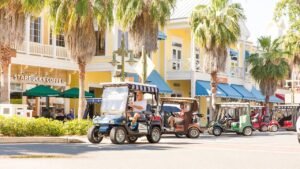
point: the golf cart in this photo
(259, 119)
(115, 121)
(89, 111)
(231, 117)
(189, 124)
(285, 116)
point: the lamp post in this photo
(123, 52)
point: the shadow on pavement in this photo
(76, 149)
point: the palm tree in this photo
(268, 66)
(12, 26)
(142, 18)
(76, 20)
(291, 43)
(216, 27)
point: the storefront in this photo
(26, 77)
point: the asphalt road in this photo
(279, 150)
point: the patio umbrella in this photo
(74, 93)
(41, 91)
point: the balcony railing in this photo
(38, 49)
(184, 65)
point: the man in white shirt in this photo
(138, 106)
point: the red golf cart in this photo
(259, 119)
(284, 116)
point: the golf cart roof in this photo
(234, 104)
(146, 88)
(286, 106)
(177, 99)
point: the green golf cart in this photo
(231, 117)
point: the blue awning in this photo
(261, 98)
(229, 91)
(161, 36)
(155, 79)
(244, 92)
(203, 89)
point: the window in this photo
(60, 39)
(176, 56)
(197, 60)
(35, 29)
(100, 43)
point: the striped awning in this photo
(143, 88)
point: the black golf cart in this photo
(115, 122)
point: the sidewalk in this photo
(34, 139)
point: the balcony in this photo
(181, 69)
(42, 55)
(42, 50)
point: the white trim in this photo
(30, 60)
(99, 67)
(193, 52)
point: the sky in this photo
(259, 15)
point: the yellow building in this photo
(179, 61)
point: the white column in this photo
(244, 60)
(115, 37)
(54, 44)
(165, 57)
(27, 35)
(193, 78)
(192, 53)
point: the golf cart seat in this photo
(235, 124)
(145, 114)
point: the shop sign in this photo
(37, 79)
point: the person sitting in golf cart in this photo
(178, 119)
(138, 106)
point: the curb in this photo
(5, 140)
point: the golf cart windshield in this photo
(114, 100)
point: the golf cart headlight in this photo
(111, 122)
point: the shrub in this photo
(77, 127)
(20, 126)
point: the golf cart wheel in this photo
(118, 135)
(264, 128)
(247, 131)
(178, 135)
(274, 128)
(217, 131)
(131, 139)
(193, 133)
(154, 136)
(94, 136)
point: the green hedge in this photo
(19, 126)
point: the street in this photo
(279, 150)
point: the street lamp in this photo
(123, 52)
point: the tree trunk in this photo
(213, 87)
(267, 113)
(6, 54)
(81, 99)
(5, 83)
(145, 66)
